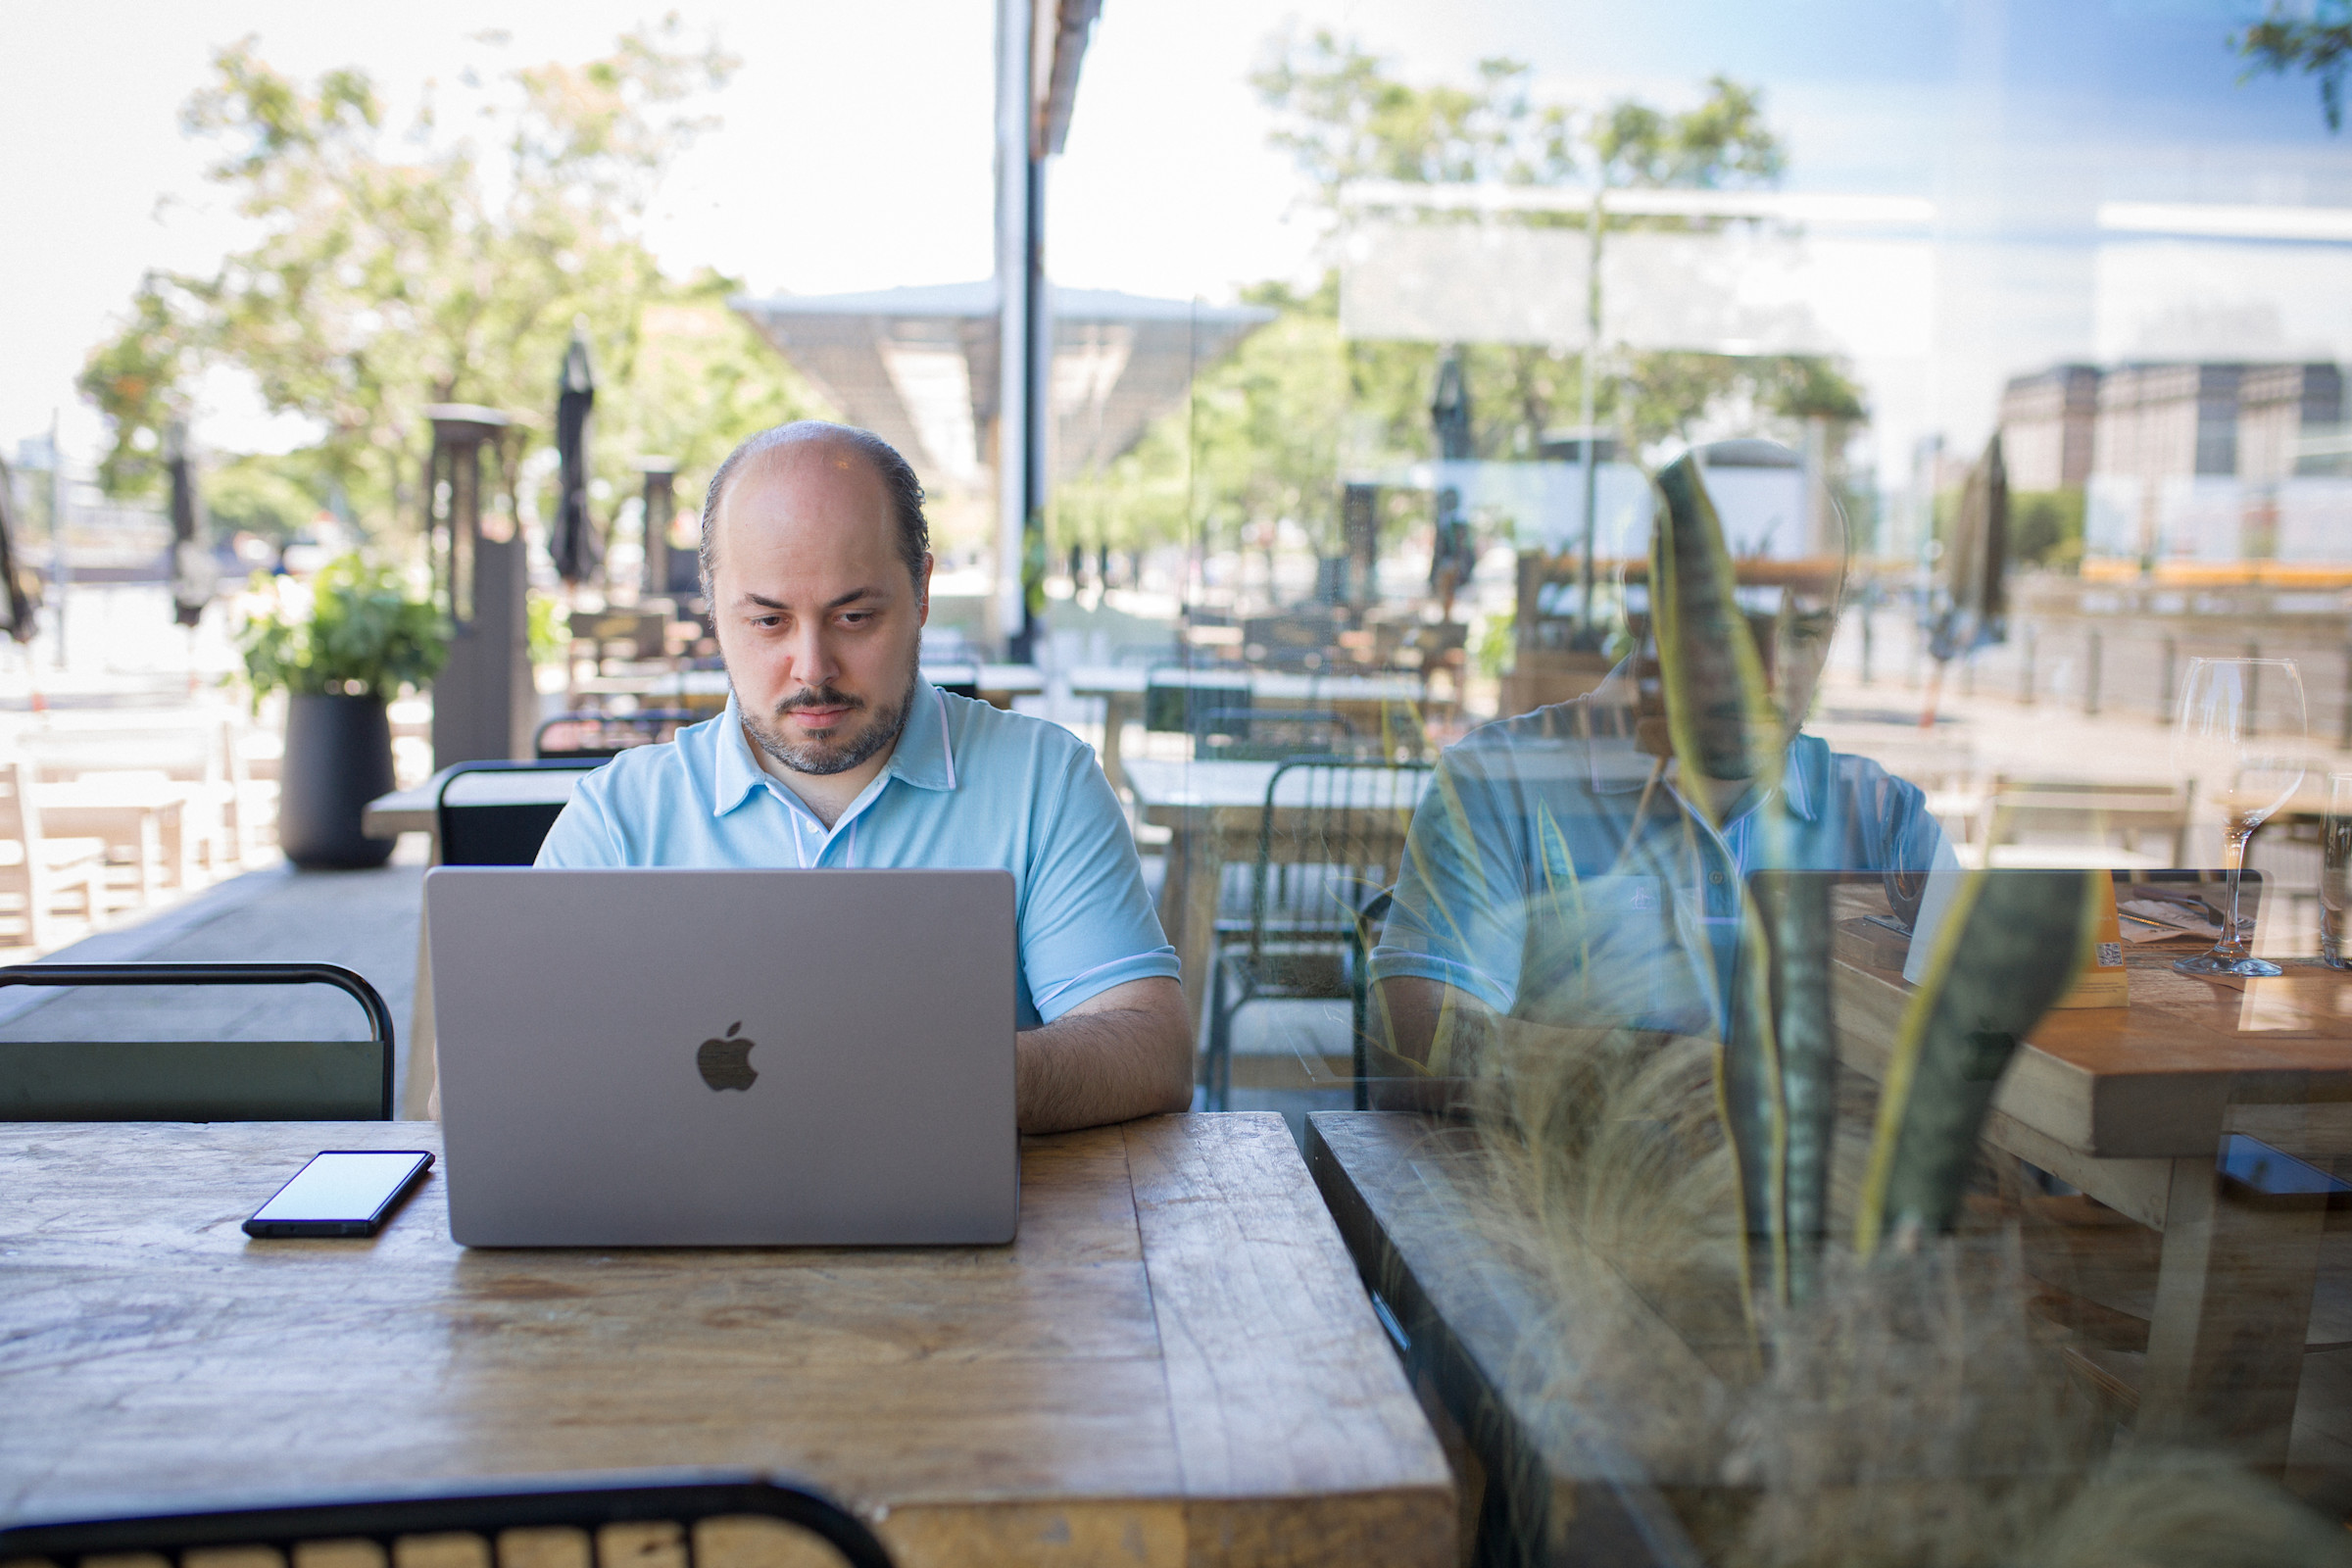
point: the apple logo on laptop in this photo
(726, 1062)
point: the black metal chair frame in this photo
(1239, 972)
(379, 1016)
(449, 775)
(681, 1498)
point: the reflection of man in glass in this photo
(1559, 872)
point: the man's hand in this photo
(1124, 1053)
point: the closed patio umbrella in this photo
(19, 597)
(1972, 608)
(194, 574)
(575, 546)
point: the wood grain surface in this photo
(2156, 1080)
(1169, 1366)
(1564, 1479)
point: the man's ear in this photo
(922, 593)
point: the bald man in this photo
(833, 751)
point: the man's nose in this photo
(812, 654)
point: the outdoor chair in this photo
(693, 1519)
(1330, 841)
(494, 831)
(592, 734)
(202, 1080)
(41, 877)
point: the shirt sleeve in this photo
(586, 837)
(1459, 913)
(1085, 920)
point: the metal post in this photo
(661, 502)
(2253, 689)
(2024, 665)
(1017, 210)
(2091, 675)
(61, 572)
(2164, 690)
(1585, 573)
(2343, 733)
(485, 706)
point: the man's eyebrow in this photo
(849, 598)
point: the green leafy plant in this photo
(357, 631)
(548, 628)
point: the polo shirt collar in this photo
(924, 758)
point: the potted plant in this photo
(340, 650)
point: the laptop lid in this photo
(725, 1057)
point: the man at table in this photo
(1559, 875)
(834, 753)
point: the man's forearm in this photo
(1123, 1055)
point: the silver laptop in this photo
(711, 1058)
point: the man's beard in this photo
(828, 755)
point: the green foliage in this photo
(2315, 40)
(548, 622)
(355, 631)
(399, 266)
(266, 496)
(2045, 527)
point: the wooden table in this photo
(1361, 700)
(1554, 1479)
(2130, 1104)
(145, 816)
(1174, 1364)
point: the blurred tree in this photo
(1344, 118)
(397, 267)
(272, 497)
(2313, 38)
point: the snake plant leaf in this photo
(2007, 950)
(1708, 662)
(1795, 920)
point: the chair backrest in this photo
(501, 832)
(222, 1080)
(1182, 705)
(594, 735)
(1330, 840)
(2088, 809)
(689, 1519)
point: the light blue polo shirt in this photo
(968, 787)
(1546, 878)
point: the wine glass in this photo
(2239, 740)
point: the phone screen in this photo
(339, 1193)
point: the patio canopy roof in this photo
(918, 366)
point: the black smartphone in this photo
(341, 1192)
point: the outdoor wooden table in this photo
(1213, 812)
(2130, 1104)
(145, 815)
(1361, 700)
(1554, 1482)
(1173, 1365)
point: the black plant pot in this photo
(338, 759)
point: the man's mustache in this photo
(818, 697)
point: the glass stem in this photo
(2236, 862)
